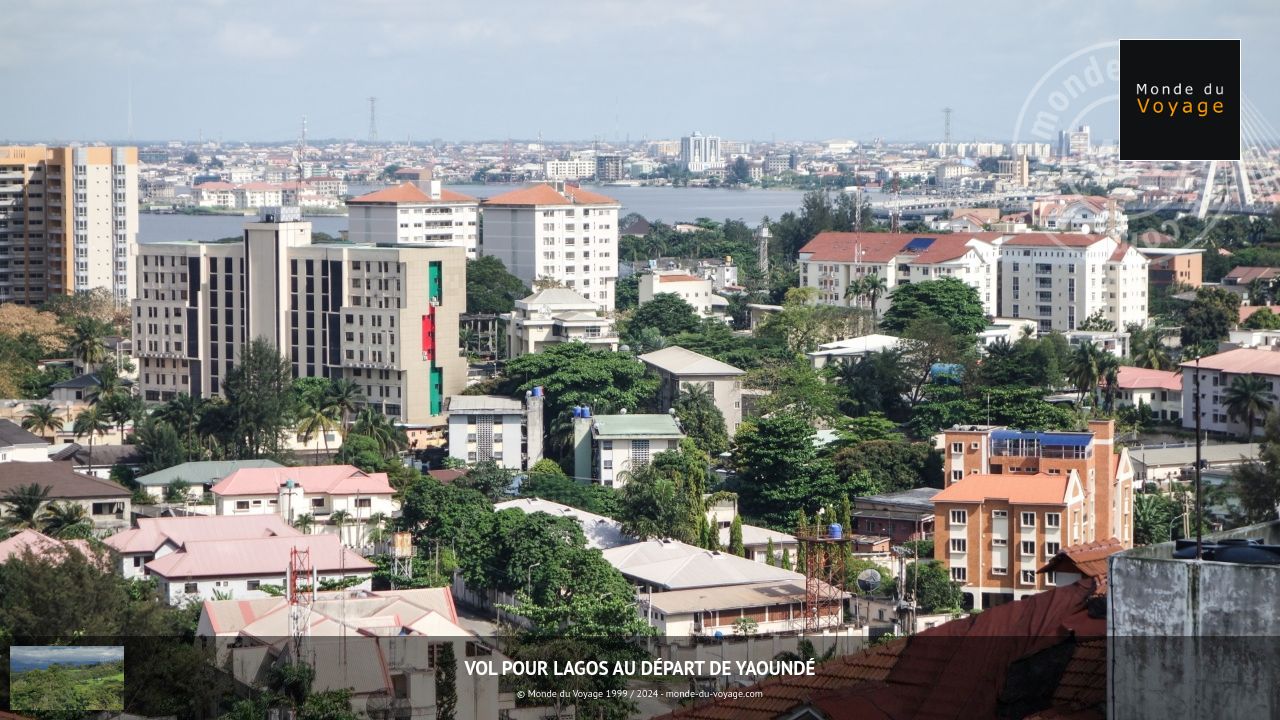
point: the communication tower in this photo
(823, 551)
(301, 590)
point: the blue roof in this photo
(1045, 438)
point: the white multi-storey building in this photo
(1216, 373)
(556, 232)
(1079, 214)
(68, 221)
(384, 317)
(832, 261)
(1059, 280)
(406, 215)
(556, 315)
(607, 448)
(699, 152)
(692, 289)
(577, 168)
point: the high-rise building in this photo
(556, 232)
(385, 318)
(608, 168)
(700, 152)
(68, 221)
(413, 215)
(1075, 143)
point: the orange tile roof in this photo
(1241, 361)
(1088, 559)
(1134, 378)
(1065, 239)
(1121, 250)
(544, 194)
(882, 247)
(1037, 489)
(409, 193)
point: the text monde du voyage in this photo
(1180, 99)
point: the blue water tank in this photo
(537, 391)
(577, 411)
(586, 411)
(835, 531)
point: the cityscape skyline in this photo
(602, 71)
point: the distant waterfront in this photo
(668, 204)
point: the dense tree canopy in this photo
(667, 314)
(491, 289)
(950, 299)
(780, 470)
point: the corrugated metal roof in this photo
(681, 361)
(639, 425)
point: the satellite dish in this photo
(869, 579)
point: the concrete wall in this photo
(1193, 639)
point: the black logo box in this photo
(1187, 69)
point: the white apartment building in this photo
(832, 261)
(1160, 391)
(556, 315)
(699, 153)
(501, 429)
(1061, 279)
(407, 215)
(578, 168)
(383, 317)
(1216, 374)
(556, 232)
(694, 290)
(68, 221)
(1079, 214)
(680, 368)
(607, 447)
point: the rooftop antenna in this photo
(895, 217)
(946, 126)
(373, 119)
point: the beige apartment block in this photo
(68, 221)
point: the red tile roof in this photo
(1087, 559)
(882, 247)
(957, 669)
(1037, 489)
(1244, 274)
(1121, 250)
(323, 479)
(544, 194)
(409, 193)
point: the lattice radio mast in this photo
(373, 119)
(946, 126)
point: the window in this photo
(1028, 547)
(959, 574)
(1053, 520)
(959, 517)
(1051, 549)
(606, 444)
(254, 584)
(959, 545)
(608, 464)
(191, 588)
(999, 571)
(364, 502)
(242, 505)
(1028, 519)
(957, 475)
(999, 514)
(317, 502)
(137, 561)
(999, 542)
(957, 447)
(1028, 577)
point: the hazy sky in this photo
(569, 69)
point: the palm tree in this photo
(91, 421)
(42, 419)
(86, 344)
(376, 528)
(182, 411)
(806, 651)
(24, 504)
(1248, 396)
(108, 383)
(1111, 376)
(340, 519)
(1087, 368)
(873, 286)
(345, 397)
(370, 421)
(855, 289)
(66, 520)
(121, 408)
(1148, 348)
(317, 420)
(304, 523)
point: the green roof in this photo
(619, 426)
(200, 473)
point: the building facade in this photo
(556, 315)
(68, 221)
(696, 291)
(385, 318)
(501, 429)
(1062, 279)
(607, 447)
(699, 153)
(1216, 373)
(680, 369)
(833, 261)
(556, 232)
(408, 215)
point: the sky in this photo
(87, 70)
(26, 657)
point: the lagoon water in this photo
(669, 204)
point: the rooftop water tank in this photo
(835, 531)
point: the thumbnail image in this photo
(53, 682)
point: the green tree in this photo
(663, 499)
(361, 451)
(66, 520)
(1262, 319)
(177, 491)
(1148, 347)
(345, 398)
(87, 345)
(1153, 517)
(259, 395)
(1209, 319)
(159, 445)
(1098, 322)
(44, 420)
(667, 313)
(700, 419)
(934, 591)
(927, 342)
(488, 478)
(1248, 397)
(305, 523)
(24, 508)
(626, 293)
(491, 289)
(735, 537)
(183, 413)
(328, 705)
(949, 299)
(779, 470)
(1257, 484)
(888, 466)
(795, 386)
(373, 423)
(547, 481)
